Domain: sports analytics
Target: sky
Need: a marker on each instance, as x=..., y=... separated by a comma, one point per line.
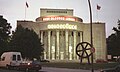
x=14, y=10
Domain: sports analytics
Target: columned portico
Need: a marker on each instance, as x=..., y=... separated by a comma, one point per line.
x=61, y=45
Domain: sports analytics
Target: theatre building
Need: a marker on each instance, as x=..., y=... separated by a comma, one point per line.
x=60, y=31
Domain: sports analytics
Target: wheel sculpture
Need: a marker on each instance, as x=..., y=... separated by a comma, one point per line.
x=83, y=50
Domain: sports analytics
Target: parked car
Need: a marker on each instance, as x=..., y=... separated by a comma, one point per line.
x=118, y=60
x=101, y=61
x=34, y=65
x=44, y=60
x=115, y=69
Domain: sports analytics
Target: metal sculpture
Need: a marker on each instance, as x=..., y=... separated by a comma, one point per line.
x=84, y=50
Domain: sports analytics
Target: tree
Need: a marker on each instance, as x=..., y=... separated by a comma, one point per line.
x=5, y=29
x=27, y=42
x=113, y=41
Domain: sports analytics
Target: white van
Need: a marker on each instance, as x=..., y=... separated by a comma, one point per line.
x=10, y=59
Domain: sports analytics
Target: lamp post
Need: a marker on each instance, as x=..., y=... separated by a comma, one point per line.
x=90, y=11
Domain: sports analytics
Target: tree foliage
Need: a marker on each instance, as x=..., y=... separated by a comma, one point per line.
x=27, y=42
x=113, y=41
x=5, y=29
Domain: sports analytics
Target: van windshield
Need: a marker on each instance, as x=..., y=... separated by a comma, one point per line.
x=18, y=57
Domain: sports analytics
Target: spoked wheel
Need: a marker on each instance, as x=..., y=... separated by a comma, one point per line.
x=83, y=50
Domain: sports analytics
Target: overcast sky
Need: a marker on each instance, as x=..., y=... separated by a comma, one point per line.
x=14, y=10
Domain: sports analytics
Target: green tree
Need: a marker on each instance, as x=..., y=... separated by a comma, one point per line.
x=27, y=42
x=113, y=41
x=5, y=29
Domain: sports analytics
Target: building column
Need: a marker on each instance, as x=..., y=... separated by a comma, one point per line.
x=44, y=55
x=49, y=45
x=53, y=52
x=58, y=50
x=41, y=37
x=81, y=40
x=81, y=36
x=74, y=49
x=70, y=52
x=53, y=46
x=66, y=41
x=41, y=40
x=61, y=55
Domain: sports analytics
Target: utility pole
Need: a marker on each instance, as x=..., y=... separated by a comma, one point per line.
x=90, y=11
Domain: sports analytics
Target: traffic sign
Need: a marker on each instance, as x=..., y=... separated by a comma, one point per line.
x=92, y=50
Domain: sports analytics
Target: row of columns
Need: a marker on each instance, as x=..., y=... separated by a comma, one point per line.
x=67, y=47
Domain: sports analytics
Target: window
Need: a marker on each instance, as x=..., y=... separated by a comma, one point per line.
x=14, y=58
x=43, y=33
x=56, y=11
x=63, y=33
x=51, y=33
x=18, y=57
x=40, y=33
x=3, y=58
x=60, y=32
x=72, y=33
x=78, y=33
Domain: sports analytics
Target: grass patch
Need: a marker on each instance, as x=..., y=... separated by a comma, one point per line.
x=76, y=65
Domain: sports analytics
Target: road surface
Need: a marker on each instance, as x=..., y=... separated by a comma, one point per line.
x=51, y=69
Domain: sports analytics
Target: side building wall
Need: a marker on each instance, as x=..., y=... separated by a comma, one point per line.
x=99, y=39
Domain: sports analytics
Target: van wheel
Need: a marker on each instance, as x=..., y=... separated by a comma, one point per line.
x=7, y=66
x=26, y=70
x=36, y=70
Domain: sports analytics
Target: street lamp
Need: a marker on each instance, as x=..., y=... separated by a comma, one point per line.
x=92, y=70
